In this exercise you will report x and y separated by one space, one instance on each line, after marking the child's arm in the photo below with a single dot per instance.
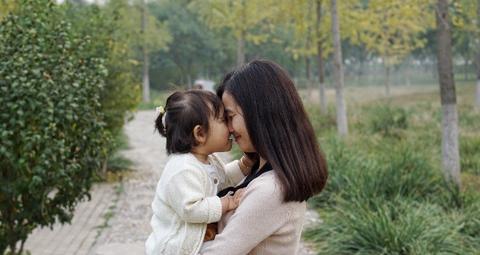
246 164
234 171
185 192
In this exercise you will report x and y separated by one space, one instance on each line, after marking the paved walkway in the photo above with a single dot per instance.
77 238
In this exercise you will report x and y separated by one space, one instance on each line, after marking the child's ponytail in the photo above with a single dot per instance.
160 124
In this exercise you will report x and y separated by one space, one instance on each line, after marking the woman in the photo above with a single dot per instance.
266 116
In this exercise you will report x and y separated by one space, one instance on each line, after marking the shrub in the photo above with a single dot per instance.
386 120
470 154
321 122
111 42
51 131
385 171
395 227
344 167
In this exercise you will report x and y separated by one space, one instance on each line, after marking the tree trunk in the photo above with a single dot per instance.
146 76
477 97
477 94
407 76
342 125
308 76
477 57
241 50
189 81
321 69
387 80
465 70
450 148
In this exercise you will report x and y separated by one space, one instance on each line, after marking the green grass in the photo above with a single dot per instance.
386 193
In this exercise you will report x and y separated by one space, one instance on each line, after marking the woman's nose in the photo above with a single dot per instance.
230 127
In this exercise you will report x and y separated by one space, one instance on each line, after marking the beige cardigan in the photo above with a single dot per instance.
184 202
262 224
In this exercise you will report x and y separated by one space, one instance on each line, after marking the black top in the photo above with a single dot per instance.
254 174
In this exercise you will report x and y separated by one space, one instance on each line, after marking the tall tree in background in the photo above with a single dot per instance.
245 19
477 57
450 148
391 29
320 62
342 125
151 36
146 61
312 32
197 53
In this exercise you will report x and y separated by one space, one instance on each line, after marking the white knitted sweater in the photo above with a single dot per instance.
185 201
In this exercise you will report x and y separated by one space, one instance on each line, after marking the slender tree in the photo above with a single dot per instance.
342 125
450 148
146 62
391 29
321 69
246 20
477 58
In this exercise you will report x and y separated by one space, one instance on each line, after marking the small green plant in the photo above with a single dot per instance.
470 154
386 120
321 122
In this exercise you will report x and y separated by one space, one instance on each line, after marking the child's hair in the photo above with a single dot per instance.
183 111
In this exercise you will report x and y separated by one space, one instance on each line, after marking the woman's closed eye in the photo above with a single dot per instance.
228 117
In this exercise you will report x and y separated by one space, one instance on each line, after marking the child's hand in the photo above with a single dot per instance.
238 196
246 163
230 202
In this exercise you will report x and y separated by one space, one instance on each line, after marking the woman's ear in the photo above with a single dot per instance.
199 134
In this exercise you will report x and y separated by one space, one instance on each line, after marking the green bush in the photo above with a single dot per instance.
321 122
470 154
111 42
386 120
396 227
403 172
386 171
345 165
51 130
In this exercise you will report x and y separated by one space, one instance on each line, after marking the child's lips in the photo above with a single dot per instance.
234 137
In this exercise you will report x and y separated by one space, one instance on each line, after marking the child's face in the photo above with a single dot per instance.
218 134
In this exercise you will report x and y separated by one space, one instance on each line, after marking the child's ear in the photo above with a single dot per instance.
199 134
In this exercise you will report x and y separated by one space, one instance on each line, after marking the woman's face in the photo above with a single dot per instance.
236 123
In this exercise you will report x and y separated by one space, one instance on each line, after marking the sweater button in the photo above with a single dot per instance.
215 180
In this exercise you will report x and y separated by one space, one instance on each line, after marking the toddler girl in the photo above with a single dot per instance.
185 200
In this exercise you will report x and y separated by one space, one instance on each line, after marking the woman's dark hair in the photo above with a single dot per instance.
278 126
183 111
